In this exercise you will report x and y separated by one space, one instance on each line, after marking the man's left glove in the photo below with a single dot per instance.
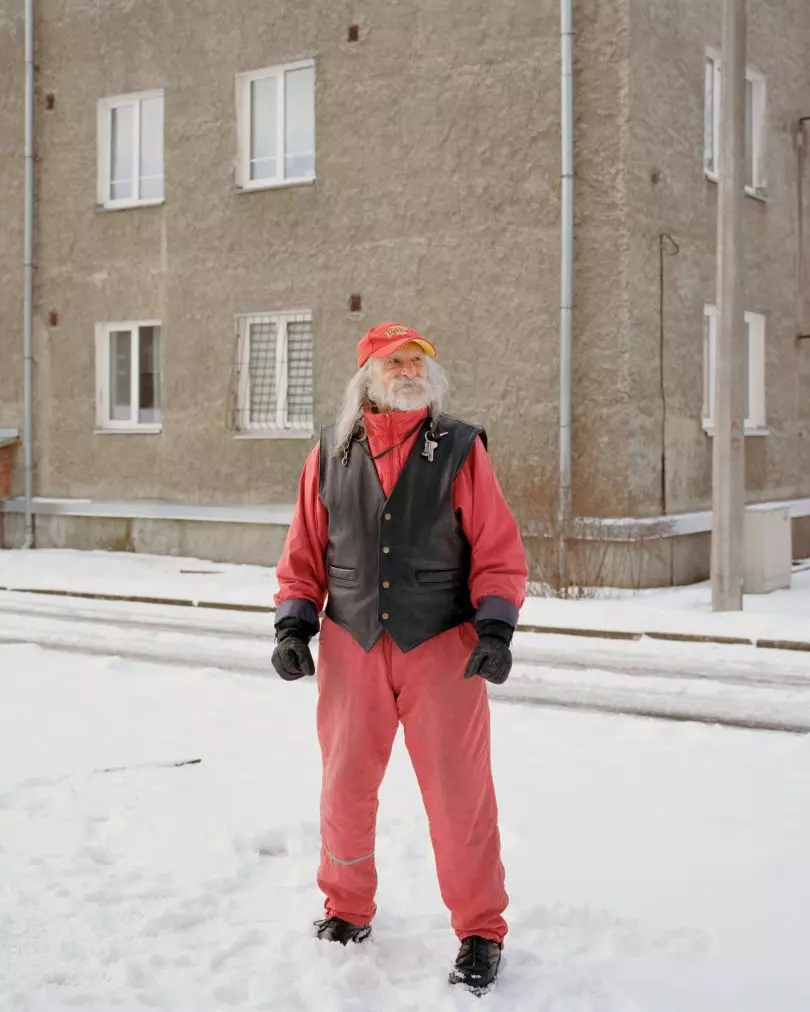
292 658
492 658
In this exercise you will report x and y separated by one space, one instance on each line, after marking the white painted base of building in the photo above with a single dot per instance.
240 534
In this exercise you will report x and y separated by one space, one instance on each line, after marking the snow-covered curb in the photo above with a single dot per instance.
683 614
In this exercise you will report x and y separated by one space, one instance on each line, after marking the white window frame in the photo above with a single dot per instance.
131 425
281 429
104 112
243 119
755 423
759 98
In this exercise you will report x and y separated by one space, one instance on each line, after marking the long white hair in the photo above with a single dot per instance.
349 423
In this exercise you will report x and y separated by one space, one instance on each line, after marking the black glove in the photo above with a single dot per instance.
292 658
492 658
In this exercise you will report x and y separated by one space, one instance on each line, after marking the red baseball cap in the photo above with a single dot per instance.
384 339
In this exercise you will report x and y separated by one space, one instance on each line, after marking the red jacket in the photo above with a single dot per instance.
498 563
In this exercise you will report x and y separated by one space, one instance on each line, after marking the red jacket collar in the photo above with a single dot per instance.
391 425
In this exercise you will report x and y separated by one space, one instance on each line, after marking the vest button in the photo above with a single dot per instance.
385 615
386 550
386 584
387 516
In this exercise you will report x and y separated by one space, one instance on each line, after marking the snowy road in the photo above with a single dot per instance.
653 866
735 685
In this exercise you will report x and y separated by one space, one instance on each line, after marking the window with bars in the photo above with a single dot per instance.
754 352
274 374
128 376
276 125
130 150
755 104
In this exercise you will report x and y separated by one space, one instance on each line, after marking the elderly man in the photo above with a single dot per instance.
402 527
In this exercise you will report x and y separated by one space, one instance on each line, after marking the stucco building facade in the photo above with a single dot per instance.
227 196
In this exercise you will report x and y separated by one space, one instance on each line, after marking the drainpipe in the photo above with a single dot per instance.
800 202
28 271
566 278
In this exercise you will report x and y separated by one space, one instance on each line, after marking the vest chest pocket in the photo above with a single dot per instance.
439 576
339 574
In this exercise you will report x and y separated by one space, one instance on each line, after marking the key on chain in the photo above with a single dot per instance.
431 445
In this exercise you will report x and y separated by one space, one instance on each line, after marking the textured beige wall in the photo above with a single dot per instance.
801 538
437 153
11 217
437 199
668 43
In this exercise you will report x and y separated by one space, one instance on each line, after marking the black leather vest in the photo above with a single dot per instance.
399 565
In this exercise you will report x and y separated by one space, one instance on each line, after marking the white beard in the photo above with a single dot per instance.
399 394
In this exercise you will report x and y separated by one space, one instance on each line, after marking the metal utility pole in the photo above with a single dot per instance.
728 497
564 513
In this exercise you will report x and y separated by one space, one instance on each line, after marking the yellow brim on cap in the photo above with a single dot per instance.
395 345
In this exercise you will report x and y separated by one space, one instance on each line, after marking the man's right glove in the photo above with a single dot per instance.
492 658
292 658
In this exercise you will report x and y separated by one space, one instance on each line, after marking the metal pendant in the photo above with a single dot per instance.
430 446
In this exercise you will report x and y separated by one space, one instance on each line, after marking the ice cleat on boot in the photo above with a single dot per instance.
476 964
335 929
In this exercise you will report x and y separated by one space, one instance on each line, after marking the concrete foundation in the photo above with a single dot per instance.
653 562
253 544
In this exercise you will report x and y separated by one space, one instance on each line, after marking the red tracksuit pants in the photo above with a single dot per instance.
362 697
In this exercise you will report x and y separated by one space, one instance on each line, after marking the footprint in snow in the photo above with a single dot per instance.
247 940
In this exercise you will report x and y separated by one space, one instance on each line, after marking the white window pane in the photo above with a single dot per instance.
121 138
120 375
262 366
263 129
149 375
749 133
299 374
708 371
710 113
299 123
151 169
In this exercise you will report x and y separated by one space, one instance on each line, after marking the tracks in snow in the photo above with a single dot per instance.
737 686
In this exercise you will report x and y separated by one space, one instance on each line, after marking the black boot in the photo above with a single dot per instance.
476 964
335 929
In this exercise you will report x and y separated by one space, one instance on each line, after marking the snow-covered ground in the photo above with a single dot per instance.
783 615
740 684
653 866
714 682
780 615
128 573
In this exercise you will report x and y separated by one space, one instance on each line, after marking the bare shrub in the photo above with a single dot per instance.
596 558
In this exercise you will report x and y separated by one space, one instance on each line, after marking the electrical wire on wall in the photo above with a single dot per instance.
666 247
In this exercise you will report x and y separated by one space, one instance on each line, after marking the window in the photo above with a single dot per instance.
754 369
276 126
755 92
274 374
128 376
130 150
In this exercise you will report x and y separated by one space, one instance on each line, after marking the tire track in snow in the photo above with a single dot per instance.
612 679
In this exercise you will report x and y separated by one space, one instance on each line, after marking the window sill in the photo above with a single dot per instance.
276 434
280 184
749 430
130 430
750 191
128 205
